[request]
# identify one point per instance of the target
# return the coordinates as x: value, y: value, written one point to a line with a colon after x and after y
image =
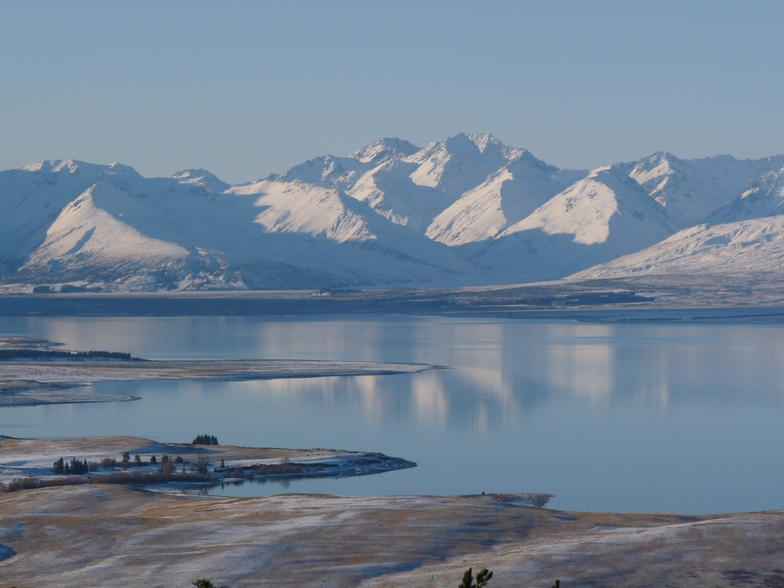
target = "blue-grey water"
x: 622, y: 417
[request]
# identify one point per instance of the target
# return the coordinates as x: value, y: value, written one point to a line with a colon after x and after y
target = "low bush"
x: 279, y: 468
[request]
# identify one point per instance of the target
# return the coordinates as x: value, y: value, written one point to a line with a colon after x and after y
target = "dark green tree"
x: 205, y: 440
x: 77, y: 468
x: 59, y: 466
x: 482, y: 578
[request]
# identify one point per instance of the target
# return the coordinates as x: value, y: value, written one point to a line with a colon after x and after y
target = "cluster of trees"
x: 77, y: 468
x: 71, y: 468
x: 205, y: 440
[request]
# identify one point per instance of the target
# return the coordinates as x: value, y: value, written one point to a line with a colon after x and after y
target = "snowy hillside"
x: 468, y: 210
x: 763, y: 197
x: 752, y: 246
x: 126, y: 232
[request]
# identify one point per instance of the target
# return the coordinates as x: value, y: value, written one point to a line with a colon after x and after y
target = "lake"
x: 607, y: 417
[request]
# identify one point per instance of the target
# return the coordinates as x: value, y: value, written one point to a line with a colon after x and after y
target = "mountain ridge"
x: 468, y: 210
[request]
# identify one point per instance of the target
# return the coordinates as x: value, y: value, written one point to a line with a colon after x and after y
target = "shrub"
x: 108, y: 462
x: 201, y: 464
x: 279, y: 468
x: 204, y: 583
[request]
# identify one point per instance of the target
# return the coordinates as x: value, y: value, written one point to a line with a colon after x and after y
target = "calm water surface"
x: 631, y: 417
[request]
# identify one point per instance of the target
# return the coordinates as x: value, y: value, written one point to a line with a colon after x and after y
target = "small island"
x: 173, y: 468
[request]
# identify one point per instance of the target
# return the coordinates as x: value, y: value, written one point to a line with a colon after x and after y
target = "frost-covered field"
x: 112, y: 536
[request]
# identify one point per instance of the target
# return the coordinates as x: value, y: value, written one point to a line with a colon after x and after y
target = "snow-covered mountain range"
x: 464, y: 211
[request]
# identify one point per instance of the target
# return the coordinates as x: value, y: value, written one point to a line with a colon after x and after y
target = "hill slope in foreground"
x: 98, y: 535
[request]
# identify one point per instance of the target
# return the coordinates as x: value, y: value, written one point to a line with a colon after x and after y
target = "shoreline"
x: 502, y: 304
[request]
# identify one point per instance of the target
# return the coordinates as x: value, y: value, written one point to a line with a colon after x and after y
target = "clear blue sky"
x: 249, y: 88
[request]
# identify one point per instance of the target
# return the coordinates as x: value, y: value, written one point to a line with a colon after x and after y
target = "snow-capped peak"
x: 467, y: 207
x: 380, y: 150
x: 55, y: 166
x: 200, y: 177
x: 653, y: 166
x: 487, y: 143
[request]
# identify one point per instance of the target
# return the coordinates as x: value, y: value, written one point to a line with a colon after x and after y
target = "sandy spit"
x: 47, y: 382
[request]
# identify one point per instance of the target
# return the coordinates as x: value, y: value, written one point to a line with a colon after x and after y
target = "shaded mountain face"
x: 464, y: 211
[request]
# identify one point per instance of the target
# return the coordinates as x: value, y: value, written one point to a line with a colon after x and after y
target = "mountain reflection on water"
x: 619, y: 417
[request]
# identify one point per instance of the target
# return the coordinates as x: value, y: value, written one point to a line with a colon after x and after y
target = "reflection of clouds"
x: 503, y: 370
x: 371, y: 397
x: 430, y: 400
x: 481, y: 424
x: 480, y: 363
x: 651, y: 382
x: 583, y: 370
x: 330, y: 339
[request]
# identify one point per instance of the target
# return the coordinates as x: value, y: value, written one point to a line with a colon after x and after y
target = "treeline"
x: 205, y: 440
x: 134, y: 478
x: 33, y: 354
